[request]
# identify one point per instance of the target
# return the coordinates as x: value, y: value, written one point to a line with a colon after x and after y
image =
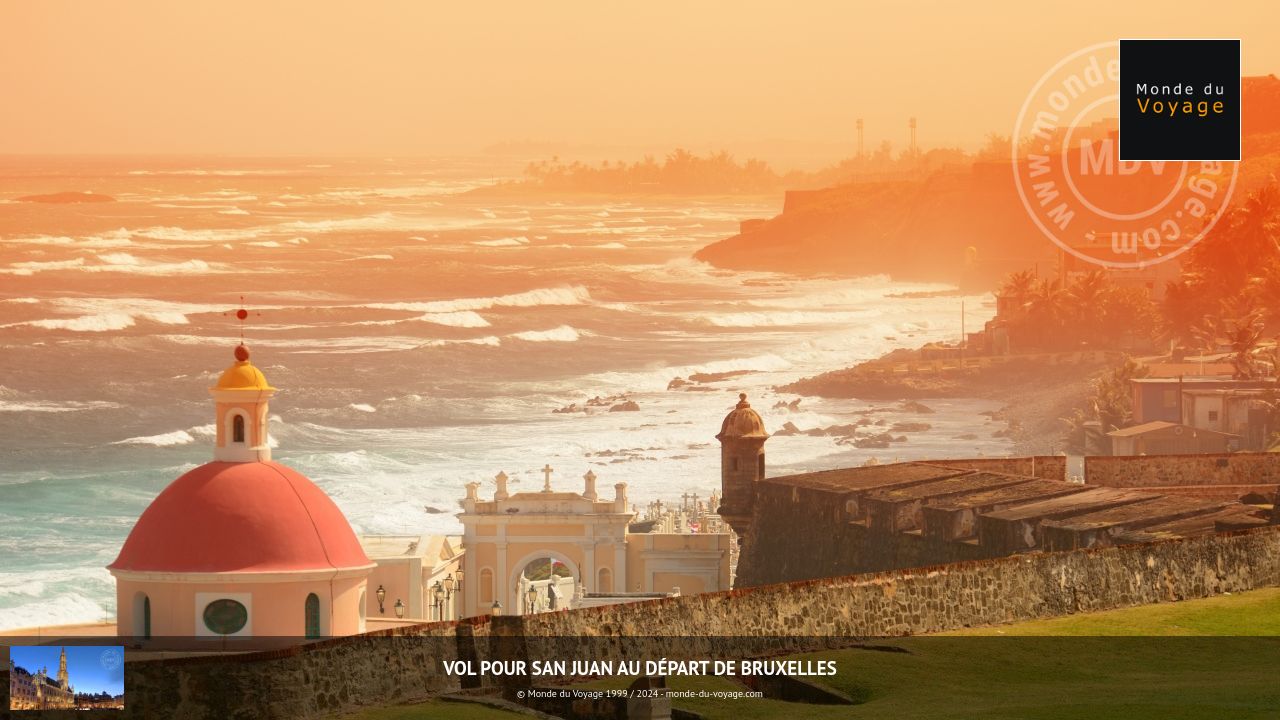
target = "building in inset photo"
x: 90, y: 676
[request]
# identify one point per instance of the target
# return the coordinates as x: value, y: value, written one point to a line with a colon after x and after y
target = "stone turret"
x: 742, y: 438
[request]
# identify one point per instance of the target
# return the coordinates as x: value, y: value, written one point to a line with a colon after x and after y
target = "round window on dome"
x: 225, y: 616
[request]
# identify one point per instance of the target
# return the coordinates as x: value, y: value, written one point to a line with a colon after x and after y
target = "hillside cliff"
x: 961, y: 225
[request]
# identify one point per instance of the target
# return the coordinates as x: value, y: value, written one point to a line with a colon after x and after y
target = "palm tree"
x: 1240, y: 324
x: 1018, y: 285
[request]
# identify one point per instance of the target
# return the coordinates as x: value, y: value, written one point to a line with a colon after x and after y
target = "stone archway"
x: 515, y: 588
x: 512, y: 530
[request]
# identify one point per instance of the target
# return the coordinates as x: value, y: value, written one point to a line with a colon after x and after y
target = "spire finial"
x: 742, y: 401
x: 241, y: 314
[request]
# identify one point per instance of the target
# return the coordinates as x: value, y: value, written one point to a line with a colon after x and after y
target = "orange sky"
x: 415, y: 78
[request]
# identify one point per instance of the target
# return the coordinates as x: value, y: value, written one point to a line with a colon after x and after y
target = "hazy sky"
x: 419, y: 77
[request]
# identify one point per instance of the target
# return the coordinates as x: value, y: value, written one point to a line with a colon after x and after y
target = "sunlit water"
x: 420, y: 335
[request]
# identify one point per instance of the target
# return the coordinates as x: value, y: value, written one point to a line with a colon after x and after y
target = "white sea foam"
x: 575, y: 295
x: 373, y: 257
x: 266, y: 243
x: 564, y: 333
x: 462, y: 319
x: 519, y: 241
x: 177, y: 437
x: 233, y: 211
x: 363, y: 407
x: 55, y: 407
x: 782, y: 318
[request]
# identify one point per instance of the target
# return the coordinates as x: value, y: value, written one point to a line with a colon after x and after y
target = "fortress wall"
x: 342, y: 674
x: 1185, y: 471
x: 802, y: 533
x: 1049, y: 467
x: 934, y: 599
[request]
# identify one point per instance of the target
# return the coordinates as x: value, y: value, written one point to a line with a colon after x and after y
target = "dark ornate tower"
x: 64, y: 682
x: 741, y: 439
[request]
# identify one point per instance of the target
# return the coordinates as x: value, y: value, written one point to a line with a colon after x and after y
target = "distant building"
x: 411, y: 569
x: 1166, y: 438
x: 1240, y: 412
x: 1160, y: 398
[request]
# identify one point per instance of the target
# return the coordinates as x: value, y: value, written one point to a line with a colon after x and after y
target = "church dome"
x: 241, y: 517
x: 742, y: 422
x: 242, y: 375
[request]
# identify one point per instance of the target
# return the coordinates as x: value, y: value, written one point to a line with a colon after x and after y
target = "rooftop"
x: 867, y: 477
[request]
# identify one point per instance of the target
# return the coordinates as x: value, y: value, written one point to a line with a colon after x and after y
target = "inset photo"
x: 74, y: 677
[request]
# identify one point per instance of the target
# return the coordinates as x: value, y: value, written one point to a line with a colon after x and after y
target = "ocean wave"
x: 177, y: 437
x: 233, y: 211
x: 461, y: 319
x: 564, y: 333
x: 115, y: 263
x: 104, y: 314
x: 782, y: 318
x: 372, y: 257
x: 108, y: 239
x: 363, y: 407
x: 575, y: 295
x: 519, y: 241
x: 55, y: 407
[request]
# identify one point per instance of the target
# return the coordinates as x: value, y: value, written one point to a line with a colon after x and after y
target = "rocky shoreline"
x: 1035, y: 395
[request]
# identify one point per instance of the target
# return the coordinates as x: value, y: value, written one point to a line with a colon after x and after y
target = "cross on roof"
x: 546, y: 472
x: 241, y: 315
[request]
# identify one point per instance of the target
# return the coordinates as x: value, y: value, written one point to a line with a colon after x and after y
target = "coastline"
x: 1034, y: 394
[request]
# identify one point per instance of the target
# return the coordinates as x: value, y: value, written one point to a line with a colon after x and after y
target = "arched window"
x: 237, y: 429
x: 142, y: 616
x: 760, y: 469
x: 313, y: 616
x: 486, y: 589
x: 605, y: 584
x: 363, y: 611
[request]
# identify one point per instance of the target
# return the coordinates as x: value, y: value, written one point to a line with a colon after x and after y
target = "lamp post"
x: 448, y: 595
x: 381, y: 592
x: 438, y: 591
x: 399, y: 608
x: 496, y: 610
x: 530, y: 597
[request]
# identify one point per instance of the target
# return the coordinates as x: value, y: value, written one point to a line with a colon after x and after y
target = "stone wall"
x: 335, y: 676
x: 1228, y: 476
x: 1049, y: 467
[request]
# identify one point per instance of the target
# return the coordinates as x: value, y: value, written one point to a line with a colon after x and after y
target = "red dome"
x: 241, y: 517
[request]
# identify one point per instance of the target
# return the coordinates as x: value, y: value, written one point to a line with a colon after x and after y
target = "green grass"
x: 1175, y: 661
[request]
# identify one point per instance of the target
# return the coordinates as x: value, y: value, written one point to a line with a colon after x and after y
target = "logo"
x: 1180, y: 100
x: 1087, y: 200
x: 111, y: 658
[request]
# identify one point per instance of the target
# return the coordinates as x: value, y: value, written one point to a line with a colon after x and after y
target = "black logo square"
x: 1180, y: 100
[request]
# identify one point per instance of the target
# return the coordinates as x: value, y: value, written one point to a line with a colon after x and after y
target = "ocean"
x: 422, y: 328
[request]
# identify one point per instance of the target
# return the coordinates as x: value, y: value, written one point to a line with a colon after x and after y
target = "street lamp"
x: 459, y: 579
x: 382, y: 599
x: 496, y: 610
x: 438, y: 591
x: 530, y: 597
x: 399, y: 608
x: 448, y: 594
